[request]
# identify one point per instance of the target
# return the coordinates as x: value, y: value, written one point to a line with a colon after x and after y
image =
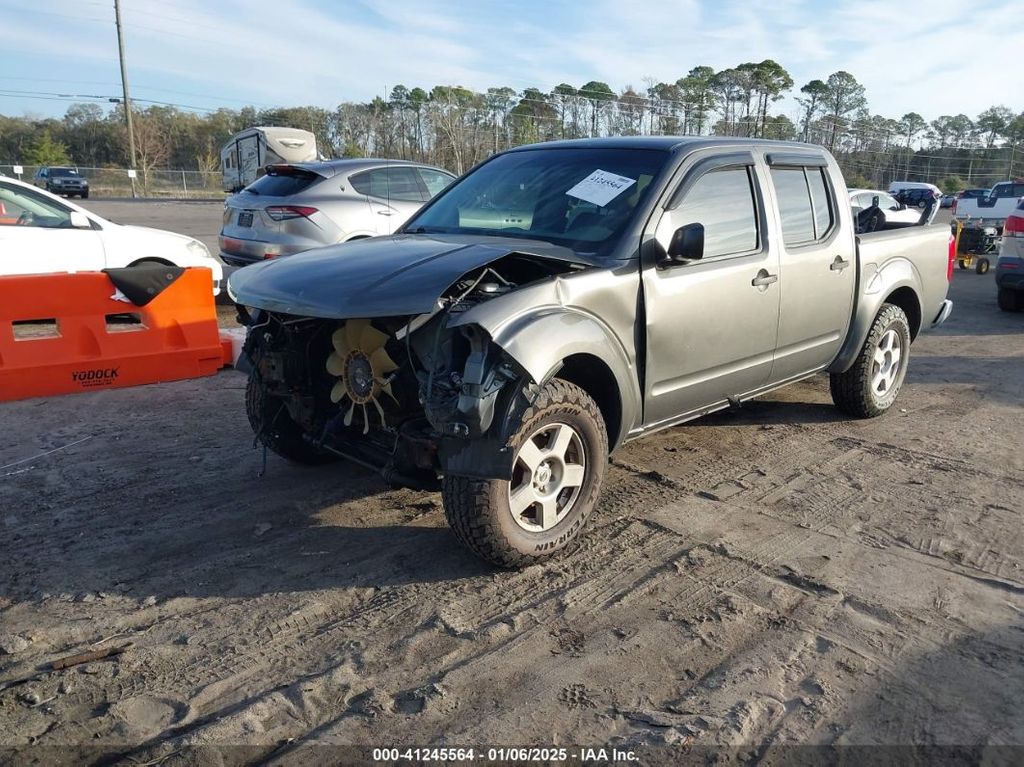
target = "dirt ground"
x: 764, y: 577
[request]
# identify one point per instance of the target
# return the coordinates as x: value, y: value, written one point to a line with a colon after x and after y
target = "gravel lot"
x: 772, y: 575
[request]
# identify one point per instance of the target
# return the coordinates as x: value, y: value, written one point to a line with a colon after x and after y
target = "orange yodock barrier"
x: 64, y: 333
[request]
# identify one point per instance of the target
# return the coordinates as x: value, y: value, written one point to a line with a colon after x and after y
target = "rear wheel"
x: 961, y: 263
x: 561, y: 456
x: 274, y: 427
x: 1010, y: 300
x: 982, y: 266
x: 873, y: 382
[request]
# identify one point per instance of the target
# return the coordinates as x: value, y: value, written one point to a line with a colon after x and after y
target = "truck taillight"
x: 1014, y: 226
x: 286, y: 212
x: 952, y: 258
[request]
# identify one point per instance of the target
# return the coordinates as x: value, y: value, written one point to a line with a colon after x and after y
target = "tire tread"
x: 465, y: 498
x: 851, y: 388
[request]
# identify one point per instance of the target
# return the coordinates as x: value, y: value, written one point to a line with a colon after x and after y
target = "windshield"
x: 579, y: 198
x: 63, y: 172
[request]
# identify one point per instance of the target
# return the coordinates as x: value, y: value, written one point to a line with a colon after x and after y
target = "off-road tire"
x: 478, y: 510
x: 1010, y: 300
x: 274, y: 427
x: 852, y: 390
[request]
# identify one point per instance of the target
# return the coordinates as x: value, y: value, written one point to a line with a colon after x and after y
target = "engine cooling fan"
x: 361, y: 364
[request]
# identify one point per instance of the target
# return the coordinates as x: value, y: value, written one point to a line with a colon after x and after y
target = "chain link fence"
x: 115, y: 182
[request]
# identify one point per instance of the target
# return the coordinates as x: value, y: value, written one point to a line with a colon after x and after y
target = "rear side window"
x: 723, y: 202
x: 388, y: 184
x: 282, y: 183
x: 434, y: 180
x: 805, y: 204
x: 1008, y: 190
x: 820, y: 202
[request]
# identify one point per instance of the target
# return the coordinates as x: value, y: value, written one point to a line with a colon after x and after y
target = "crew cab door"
x: 36, y: 236
x: 818, y: 270
x: 711, y: 323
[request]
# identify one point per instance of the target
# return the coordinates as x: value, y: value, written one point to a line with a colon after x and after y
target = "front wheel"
x: 873, y: 382
x: 982, y: 266
x: 561, y: 453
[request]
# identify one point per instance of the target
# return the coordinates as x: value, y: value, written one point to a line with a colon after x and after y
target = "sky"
x: 935, y: 57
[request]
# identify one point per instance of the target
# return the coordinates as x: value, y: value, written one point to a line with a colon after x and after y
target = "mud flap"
x: 483, y: 458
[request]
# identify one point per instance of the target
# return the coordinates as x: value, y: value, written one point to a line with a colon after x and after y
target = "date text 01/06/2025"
x: 502, y: 754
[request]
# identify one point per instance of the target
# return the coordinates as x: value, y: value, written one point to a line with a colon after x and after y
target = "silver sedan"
x: 302, y: 206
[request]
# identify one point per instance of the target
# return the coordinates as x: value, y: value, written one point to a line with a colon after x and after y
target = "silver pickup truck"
x: 562, y: 299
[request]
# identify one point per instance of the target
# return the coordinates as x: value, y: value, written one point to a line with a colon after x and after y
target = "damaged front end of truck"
x: 384, y: 365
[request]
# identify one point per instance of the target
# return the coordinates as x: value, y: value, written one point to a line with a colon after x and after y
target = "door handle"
x: 839, y: 264
x: 384, y: 212
x: 763, y: 279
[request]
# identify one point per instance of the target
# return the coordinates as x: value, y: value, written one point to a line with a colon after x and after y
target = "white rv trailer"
x: 246, y: 154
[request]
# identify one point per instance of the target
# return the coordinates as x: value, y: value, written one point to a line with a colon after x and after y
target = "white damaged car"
x: 40, y: 233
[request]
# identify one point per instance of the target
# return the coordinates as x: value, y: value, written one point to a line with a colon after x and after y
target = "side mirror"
x: 687, y: 244
x: 80, y: 220
x: 874, y: 201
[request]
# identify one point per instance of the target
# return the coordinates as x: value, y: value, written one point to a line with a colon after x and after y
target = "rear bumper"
x: 239, y: 252
x: 944, y: 312
x: 1010, y: 272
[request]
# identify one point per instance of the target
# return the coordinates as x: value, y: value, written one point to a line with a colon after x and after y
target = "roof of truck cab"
x: 665, y: 143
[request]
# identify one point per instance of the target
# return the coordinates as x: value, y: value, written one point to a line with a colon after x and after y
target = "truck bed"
x: 921, y: 250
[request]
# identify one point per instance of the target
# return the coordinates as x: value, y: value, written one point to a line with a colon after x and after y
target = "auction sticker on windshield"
x: 601, y: 187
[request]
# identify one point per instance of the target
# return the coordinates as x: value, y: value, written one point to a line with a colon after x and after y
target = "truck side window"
x: 723, y: 201
x: 824, y: 218
x: 804, y: 204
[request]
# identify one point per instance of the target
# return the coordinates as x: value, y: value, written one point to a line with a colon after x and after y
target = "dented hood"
x: 379, y: 277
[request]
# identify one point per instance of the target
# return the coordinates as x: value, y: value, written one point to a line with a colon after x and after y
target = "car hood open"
x: 378, y: 277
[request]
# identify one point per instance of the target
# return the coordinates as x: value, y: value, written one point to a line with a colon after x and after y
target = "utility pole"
x: 124, y: 87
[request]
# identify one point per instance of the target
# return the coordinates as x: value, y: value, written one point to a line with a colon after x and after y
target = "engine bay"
x: 386, y: 392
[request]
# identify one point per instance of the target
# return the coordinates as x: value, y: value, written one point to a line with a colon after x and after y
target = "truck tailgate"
x: 973, y: 208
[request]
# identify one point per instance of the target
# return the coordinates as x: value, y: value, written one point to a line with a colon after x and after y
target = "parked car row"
x: 874, y: 210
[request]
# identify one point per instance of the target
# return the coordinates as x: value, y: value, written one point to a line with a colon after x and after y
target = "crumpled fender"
x: 540, y: 340
x: 876, y: 285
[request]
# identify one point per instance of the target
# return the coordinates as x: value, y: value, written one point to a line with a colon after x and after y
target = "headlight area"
x: 196, y: 249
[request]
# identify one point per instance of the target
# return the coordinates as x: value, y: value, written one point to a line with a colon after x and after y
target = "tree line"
x: 456, y: 128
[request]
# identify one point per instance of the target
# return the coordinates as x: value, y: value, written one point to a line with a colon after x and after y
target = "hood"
x: 378, y: 277
x: 148, y: 232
